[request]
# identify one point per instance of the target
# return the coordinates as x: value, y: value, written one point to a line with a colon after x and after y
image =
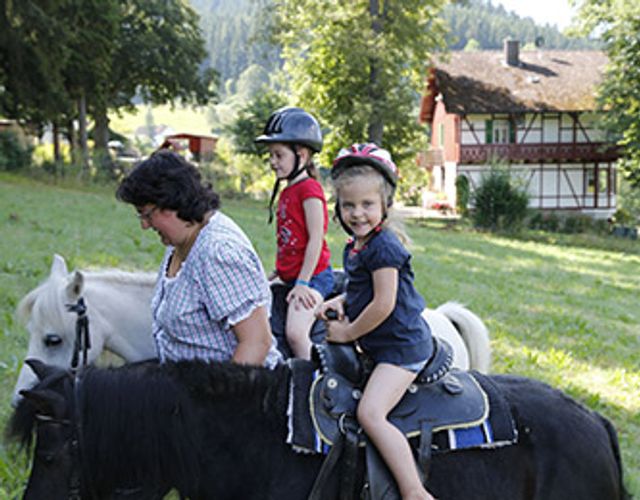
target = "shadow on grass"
x: 595, y: 241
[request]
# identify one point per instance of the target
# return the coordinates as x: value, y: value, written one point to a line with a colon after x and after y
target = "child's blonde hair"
x: 393, y: 220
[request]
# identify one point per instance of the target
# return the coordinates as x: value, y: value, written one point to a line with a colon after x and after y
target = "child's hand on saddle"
x: 338, y: 331
x: 301, y: 295
x: 331, y: 310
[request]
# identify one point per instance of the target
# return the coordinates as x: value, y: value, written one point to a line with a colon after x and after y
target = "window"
x: 590, y: 181
x: 499, y: 131
x: 603, y: 181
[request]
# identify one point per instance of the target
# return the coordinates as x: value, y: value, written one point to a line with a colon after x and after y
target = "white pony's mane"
x: 49, y: 293
x: 120, y: 277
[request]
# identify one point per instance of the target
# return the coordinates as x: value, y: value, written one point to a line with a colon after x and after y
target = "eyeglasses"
x: 147, y: 214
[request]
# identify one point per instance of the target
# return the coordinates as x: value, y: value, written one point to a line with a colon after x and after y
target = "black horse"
x: 218, y: 431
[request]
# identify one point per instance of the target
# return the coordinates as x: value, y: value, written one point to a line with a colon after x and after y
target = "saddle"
x: 440, y: 398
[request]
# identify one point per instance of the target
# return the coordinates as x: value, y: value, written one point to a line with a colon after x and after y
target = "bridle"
x: 75, y: 442
x: 81, y: 346
x: 75, y: 421
x: 82, y: 342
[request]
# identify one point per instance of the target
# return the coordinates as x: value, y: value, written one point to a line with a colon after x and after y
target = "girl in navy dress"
x: 381, y: 308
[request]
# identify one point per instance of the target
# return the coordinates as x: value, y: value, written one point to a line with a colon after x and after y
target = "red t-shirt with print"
x: 292, y: 232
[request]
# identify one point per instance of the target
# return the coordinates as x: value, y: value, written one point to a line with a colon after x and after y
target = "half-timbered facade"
x: 534, y: 111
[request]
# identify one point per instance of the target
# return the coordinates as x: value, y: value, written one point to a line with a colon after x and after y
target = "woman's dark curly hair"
x: 168, y: 181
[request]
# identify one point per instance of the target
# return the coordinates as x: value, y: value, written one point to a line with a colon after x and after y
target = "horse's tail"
x: 474, y: 334
x: 615, y: 448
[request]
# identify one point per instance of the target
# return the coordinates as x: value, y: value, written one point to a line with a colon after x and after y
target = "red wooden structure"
x: 201, y: 147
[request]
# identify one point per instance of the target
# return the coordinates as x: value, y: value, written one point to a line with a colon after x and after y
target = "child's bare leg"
x: 385, y: 388
x: 299, y: 323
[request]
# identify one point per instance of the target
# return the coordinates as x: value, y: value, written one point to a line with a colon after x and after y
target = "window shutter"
x: 488, y: 131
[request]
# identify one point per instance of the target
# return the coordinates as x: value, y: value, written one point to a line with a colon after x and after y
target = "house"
x: 532, y: 110
x: 201, y: 147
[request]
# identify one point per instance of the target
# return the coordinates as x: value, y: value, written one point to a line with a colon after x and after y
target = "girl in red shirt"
x: 293, y: 136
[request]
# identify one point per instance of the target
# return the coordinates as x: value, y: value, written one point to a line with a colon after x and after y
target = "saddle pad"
x: 455, y: 401
x: 301, y: 433
x: 498, y: 430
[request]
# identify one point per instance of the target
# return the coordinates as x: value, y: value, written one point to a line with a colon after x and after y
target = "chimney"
x: 512, y: 52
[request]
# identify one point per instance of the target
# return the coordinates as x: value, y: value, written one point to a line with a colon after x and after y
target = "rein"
x: 81, y: 345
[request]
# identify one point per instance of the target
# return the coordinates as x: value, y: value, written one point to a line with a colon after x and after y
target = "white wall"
x: 536, y: 128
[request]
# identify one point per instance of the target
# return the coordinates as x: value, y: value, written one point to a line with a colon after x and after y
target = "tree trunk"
x: 57, y: 157
x: 376, y: 125
x: 101, y: 131
x: 82, y: 132
x: 101, y: 155
x: 70, y: 134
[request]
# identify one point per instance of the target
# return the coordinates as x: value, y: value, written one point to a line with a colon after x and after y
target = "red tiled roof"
x: 545, y: 80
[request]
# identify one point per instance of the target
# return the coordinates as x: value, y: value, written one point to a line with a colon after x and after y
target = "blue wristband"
x: 302, y: 282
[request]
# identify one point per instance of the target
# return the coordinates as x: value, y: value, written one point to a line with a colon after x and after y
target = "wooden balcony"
x: 526, y: 153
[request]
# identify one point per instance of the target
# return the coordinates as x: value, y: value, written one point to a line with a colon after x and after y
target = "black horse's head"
x: 46, y: 409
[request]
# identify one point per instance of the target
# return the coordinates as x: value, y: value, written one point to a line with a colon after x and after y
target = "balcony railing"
x: 483, y: 153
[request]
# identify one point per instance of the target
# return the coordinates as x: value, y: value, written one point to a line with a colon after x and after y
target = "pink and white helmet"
x: 366, y: 154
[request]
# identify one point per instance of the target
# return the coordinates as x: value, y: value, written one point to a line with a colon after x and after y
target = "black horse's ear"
x: 41, y: 369
x: 44, y: 400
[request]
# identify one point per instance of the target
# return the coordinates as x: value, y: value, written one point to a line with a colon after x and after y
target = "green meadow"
x: 560, y: 309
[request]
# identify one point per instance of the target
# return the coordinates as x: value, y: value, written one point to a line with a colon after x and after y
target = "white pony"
x: 118, y: 308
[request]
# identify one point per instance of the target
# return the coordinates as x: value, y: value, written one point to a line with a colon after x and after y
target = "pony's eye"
x: 52, y: 340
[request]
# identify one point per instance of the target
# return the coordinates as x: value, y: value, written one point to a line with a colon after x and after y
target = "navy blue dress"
x: 404, y: 337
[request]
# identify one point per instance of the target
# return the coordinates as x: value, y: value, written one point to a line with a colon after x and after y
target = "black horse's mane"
x: 147, y: 422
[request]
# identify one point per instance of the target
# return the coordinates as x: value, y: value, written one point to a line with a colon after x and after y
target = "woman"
x: 212, y: 299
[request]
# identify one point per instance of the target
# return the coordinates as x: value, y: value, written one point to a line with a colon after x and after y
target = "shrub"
x: 463, y: 193
x: 498, y: 203
x: 15, y: 153
x: 623, y: 216
x: 545, y: 221
x: 575, y: 224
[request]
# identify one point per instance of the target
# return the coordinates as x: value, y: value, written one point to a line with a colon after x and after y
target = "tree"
x: 618, y: 24
x: 66, y: 59
x: 33, y: 54
x: 251, y: 120
x: 158, y: 53
x: 359, y: 65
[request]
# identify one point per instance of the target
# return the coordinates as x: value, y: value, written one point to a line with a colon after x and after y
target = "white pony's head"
x: 51, y: 326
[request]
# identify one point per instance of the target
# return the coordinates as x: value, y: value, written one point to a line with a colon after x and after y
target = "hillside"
x: 232, y: 30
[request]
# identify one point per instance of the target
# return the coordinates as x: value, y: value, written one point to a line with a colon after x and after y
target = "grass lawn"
x: 560, y: 309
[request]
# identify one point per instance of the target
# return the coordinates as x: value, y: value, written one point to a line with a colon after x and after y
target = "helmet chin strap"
x: 297, y: 170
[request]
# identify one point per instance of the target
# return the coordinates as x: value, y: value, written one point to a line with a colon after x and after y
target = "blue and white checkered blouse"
x: 220, y: 284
